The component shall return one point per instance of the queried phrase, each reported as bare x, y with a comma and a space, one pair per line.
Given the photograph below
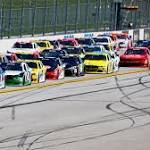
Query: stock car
93, 49
54, 53
55, 68
18, 73
104, 40
144, 43
56, 44
69, 43
24, 47
78, 51
85, 41
98, 62
38, 70
116, 59
73, 66
137, 56
24, 56
44, 45
2, 78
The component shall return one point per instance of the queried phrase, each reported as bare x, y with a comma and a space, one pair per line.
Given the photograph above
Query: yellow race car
44, 45
98, 62
38, 70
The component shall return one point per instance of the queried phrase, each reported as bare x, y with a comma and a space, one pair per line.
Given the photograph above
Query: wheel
30, 81
107, 70
23, 81
78, 74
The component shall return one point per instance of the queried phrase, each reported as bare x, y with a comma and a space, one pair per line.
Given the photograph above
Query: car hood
132, 57
12, 73
95, 62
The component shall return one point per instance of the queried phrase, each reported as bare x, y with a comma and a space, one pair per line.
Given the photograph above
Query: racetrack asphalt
98, 112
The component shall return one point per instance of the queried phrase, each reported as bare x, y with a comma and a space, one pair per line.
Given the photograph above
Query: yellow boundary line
72, 81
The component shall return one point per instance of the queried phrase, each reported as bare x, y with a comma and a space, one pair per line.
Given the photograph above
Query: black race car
73, 66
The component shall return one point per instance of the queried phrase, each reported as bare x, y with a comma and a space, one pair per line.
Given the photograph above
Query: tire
30, 82
38, 80
107, 70
23, 81
78, 74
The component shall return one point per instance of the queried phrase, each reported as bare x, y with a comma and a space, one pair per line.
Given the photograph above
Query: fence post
98, 14
33, 18
21, 21
55, 15
66, 15
1, 18
77, 14
10, 17
44, 16
86, 15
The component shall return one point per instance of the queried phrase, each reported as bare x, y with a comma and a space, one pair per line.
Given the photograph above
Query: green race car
18, 73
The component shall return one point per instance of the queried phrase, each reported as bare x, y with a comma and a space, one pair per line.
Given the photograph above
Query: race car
144, 43
24, 56
123, 41
55, 68
138, 56
24, 47
44, 45
18, 73
98, 62
85, 41
93, 49
104, 40
69, 43
38, 70
74, 66
54, 53
2, 78
76, 51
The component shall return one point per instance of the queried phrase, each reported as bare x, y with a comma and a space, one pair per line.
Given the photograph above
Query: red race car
55, 68
137, 56
69, 43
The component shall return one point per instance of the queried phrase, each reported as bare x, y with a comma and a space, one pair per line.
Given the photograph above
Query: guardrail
137, 34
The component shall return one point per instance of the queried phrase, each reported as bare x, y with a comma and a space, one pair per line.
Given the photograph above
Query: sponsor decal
68, 36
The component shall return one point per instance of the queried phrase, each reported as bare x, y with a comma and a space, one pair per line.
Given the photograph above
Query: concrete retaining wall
137, 34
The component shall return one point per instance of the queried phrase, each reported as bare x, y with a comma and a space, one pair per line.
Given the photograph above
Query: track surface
108, 113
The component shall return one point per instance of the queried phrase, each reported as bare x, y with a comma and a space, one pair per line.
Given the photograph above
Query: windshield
92, 49
135, 52
73, 50
15, 67
22, 45
41, 44
70, 60
95, 57
67, 43
32, 64
58, 53
101, 40
145, 44
85, 41
25, 56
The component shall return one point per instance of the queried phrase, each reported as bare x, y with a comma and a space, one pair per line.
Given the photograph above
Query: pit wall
137, 34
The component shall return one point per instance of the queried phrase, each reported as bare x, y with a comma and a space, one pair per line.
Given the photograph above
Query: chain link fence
31, 17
